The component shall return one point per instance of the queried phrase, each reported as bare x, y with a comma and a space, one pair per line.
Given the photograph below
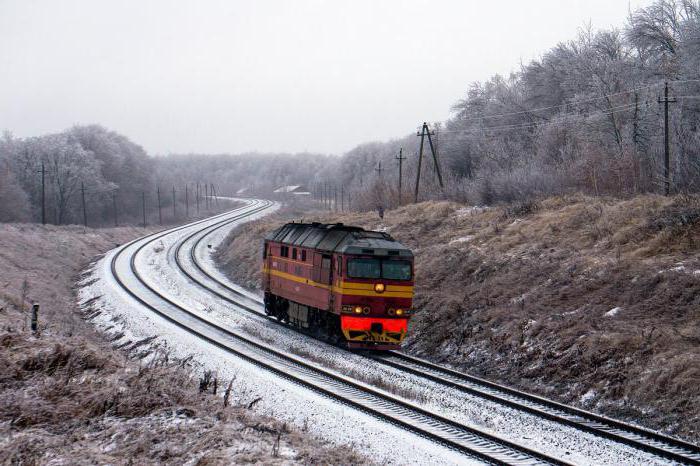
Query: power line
568, 104
532, 125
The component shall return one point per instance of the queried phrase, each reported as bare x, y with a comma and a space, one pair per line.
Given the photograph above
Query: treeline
587, 116
584, 117
55, 168
122, 183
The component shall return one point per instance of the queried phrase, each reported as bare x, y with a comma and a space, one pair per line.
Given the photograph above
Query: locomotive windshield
364, 268
375, 268
396, 270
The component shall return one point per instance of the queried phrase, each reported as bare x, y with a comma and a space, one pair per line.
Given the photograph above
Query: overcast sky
268, 75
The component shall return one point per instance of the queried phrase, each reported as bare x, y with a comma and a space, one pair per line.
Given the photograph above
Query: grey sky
232, 76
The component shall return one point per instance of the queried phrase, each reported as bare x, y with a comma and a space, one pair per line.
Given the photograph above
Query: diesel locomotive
345, 284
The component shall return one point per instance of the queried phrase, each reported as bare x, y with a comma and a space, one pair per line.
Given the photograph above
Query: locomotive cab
348, 284
376, 285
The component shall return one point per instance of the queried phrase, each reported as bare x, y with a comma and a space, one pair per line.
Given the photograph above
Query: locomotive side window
396, 270
303, 255
326, 269
284, 251
294, 253
364, 268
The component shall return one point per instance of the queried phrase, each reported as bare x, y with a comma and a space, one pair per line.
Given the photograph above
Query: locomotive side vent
394, 253
368, 251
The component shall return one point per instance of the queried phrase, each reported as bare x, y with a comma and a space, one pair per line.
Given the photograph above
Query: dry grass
521, 293
67, 396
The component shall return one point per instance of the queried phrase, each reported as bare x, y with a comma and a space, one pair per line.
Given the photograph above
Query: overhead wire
567, 104
540, 124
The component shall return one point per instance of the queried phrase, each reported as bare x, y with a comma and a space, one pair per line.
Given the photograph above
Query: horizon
227, 78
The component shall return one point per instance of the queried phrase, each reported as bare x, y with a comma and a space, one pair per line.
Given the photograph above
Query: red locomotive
349, 285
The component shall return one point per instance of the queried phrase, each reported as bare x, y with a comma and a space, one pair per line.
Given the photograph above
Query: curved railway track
643, 439
378, 404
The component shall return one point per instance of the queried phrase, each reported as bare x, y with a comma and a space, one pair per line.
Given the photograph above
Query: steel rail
444, 431
635, 436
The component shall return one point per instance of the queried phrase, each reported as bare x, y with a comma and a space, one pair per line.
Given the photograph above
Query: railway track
643, 439
379, 404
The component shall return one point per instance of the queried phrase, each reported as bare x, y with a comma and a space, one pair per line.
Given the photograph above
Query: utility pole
420, 161
82, 191
425, 131
114, 207
400, 158
435, 158
335, 198
43, 194
213, 193
206, 195
143, 207
667, 142
342, 199
160, 215
197, 197
174, 203
379, 170
187, 201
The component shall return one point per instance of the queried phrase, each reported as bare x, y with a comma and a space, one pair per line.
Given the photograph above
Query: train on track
348, 285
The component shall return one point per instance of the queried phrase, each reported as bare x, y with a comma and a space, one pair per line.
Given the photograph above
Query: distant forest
585, 117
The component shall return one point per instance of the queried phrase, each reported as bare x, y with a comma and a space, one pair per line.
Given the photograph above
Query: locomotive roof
336, 237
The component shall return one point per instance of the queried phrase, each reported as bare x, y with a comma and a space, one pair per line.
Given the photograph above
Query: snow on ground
463, 239
277, 397
613, 312
287, 401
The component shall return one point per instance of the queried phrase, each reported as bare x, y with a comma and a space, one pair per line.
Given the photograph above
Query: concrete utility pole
82, 190
187, 201
423, 132
214, 194
197, 197
43, 194
379, 169
114, 208
174, 216
143, 207
667, 142
160, 215
342, 199
420, 161
400, 158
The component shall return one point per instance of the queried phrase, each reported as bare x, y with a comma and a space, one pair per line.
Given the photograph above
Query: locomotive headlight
399, 312
358, 310
379, 287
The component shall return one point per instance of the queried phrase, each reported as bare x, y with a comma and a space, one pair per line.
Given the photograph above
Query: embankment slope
595, 302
